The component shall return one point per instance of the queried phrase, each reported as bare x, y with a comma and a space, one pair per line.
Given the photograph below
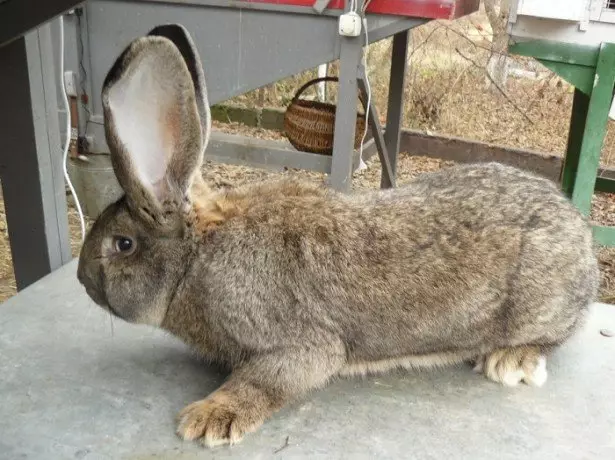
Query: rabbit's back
468, 258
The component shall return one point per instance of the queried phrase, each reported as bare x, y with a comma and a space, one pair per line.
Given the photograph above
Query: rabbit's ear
181, 38
157, 122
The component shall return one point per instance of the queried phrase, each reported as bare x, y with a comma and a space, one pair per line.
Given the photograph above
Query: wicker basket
310, 125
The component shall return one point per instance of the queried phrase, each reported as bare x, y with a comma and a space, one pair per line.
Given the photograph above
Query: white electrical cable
362, 164
365, 5
68, 131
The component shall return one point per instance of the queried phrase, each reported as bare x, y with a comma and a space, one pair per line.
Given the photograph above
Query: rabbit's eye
123, 244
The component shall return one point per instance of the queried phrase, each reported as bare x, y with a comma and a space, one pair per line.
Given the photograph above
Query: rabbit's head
157, 124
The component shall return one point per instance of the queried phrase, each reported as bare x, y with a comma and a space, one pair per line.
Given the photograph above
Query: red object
429, 9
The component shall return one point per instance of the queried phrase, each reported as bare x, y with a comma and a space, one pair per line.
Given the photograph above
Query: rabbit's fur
290, 284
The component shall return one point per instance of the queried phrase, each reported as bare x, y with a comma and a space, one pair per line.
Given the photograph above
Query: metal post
346, 114
595, 129
395, 111
30, 149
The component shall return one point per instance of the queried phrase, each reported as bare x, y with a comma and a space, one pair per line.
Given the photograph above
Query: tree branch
493, 17
502, 92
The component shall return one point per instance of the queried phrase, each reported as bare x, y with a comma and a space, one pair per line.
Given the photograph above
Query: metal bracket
373, 121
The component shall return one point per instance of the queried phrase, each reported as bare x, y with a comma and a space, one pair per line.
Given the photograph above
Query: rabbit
290, 284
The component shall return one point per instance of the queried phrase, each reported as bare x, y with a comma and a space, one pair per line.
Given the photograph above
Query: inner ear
148, 123
153, 126
182, 40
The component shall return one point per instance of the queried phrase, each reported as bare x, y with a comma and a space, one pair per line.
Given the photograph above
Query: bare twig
502, 92
474, 44
459, 76
286, 444
424, 42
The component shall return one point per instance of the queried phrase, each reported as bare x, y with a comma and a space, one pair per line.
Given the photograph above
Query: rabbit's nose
84, 275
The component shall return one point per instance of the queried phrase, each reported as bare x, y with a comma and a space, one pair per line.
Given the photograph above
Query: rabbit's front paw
222, 418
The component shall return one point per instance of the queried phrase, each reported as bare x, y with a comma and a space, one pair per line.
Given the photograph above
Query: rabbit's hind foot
510, 366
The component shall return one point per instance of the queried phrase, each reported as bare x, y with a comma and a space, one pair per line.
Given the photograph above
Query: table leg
594, 130
395, 111
580, 106
346, 114
373, 119
30, 149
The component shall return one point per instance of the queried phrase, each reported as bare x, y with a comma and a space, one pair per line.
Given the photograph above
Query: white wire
68, 131
362, 164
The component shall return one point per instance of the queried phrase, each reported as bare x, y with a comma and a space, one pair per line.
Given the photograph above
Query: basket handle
301, 90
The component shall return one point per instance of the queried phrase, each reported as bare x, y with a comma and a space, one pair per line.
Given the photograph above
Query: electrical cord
353, 6
68, 132
362, 164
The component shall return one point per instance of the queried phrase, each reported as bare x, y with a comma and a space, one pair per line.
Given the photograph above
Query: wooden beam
17, 17
31, 158
237, 149
373, 121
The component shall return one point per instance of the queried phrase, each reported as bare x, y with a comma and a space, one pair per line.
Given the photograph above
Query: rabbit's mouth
111, 310
100, 299
101, 302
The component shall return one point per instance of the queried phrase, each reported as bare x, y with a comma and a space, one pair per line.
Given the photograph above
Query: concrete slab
75, 385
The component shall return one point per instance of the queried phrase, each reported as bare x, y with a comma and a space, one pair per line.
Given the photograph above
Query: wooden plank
31, 158
236, 149
604, 184
342, 165
604, 236
595, 129
567, 53
581, 77
268, 154
580, 105
471, 151
395, 104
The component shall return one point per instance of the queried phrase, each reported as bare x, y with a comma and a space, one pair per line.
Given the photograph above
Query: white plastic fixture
350, 24
70, 83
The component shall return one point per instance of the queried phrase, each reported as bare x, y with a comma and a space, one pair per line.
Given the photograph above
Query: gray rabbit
290, 284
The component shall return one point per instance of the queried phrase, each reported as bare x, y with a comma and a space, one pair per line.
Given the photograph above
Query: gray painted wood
346, 113
395, 109
320, 5
235, 149
373, 118
241, 50
30, 148
18, 17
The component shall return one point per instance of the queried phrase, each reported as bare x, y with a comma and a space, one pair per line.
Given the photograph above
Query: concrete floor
74, 385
